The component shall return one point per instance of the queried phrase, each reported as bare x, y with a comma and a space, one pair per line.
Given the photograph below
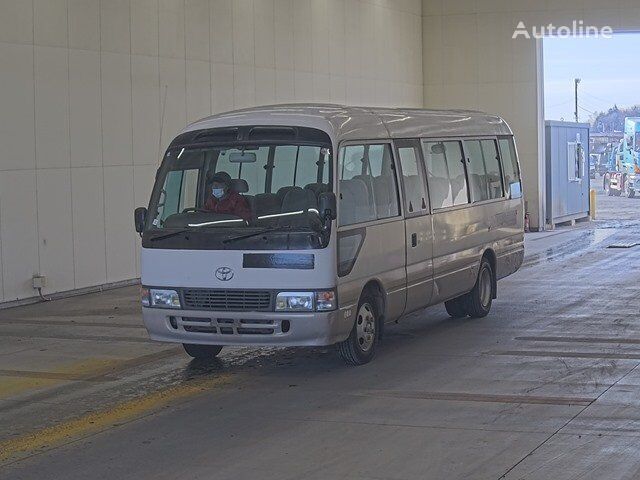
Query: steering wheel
194, 209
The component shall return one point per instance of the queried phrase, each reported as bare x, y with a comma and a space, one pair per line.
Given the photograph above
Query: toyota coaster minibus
306, 225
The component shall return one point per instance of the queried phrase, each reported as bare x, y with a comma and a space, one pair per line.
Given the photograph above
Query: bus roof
342, 122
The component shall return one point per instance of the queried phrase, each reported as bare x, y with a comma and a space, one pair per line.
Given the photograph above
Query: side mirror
140, 218
327, 205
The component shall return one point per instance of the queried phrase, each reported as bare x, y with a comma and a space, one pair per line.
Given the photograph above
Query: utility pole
577, 81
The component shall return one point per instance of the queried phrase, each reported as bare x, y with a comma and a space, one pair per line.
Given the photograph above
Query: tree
613, 119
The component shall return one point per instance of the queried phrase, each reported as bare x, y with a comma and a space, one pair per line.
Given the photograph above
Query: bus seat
317, 188
239, 185
300, 199
368, 182
282, 192
383, 196
476, 185
354, 202
439, 189
412, 187
266, 204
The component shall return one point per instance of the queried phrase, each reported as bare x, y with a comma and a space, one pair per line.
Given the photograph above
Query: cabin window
180, 191
510, 168
414, 187
296, 166
368, 186
492, 166
483, 170
476, 173
445, 174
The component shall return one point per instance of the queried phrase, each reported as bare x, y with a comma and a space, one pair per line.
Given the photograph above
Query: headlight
321, 301
294, 302
162, 298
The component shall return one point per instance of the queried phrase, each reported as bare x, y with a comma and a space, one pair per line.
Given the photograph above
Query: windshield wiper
254, 234
169, 235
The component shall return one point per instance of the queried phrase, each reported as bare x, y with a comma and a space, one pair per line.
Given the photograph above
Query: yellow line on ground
95, 422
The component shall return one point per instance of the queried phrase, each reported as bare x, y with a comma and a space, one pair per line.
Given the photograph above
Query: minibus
313, 224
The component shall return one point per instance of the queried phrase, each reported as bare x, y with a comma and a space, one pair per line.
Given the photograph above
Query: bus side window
445, 174
510, 168
368, 185
492, 165
476, 173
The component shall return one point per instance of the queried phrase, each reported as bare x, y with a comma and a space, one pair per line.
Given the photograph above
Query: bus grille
227, 300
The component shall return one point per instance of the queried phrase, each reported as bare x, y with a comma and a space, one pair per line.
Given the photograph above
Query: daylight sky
608, 68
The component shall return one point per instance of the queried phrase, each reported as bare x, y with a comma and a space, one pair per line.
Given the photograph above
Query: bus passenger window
368, 188
445, 174
476, 171
415, 195
492, 165
510, 168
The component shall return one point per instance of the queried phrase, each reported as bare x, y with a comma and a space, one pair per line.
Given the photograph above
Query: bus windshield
248, 187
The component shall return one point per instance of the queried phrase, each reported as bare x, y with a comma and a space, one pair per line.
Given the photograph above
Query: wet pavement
546, 386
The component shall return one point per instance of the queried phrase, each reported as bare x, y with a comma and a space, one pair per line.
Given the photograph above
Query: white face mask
218, 192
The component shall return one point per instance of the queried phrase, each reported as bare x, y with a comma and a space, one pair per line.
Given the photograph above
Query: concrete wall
471, 61
82, 89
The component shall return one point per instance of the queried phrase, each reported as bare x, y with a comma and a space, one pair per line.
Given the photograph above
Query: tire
457, 307
202, 352
631, 193
480, 298
360, 347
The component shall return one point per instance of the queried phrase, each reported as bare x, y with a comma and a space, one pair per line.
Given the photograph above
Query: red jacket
233, 203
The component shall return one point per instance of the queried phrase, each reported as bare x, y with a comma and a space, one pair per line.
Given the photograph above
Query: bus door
418, 226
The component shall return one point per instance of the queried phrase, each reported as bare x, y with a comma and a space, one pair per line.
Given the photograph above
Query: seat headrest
239, 185
282, 191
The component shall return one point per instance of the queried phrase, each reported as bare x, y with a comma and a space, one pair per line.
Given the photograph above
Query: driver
225, 200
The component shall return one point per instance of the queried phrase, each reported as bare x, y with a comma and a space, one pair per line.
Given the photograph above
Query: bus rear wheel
481, 297
360, 347
202, 352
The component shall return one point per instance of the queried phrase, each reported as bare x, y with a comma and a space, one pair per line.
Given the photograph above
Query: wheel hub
366, 327
485, 287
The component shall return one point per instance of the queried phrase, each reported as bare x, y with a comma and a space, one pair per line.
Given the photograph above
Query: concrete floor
547, 386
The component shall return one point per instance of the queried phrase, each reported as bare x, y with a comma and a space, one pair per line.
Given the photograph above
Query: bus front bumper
246, 328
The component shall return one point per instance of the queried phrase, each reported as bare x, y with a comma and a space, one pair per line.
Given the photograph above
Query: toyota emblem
224, 274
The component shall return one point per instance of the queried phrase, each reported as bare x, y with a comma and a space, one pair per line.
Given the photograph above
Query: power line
559, 104
588, 111
608, 102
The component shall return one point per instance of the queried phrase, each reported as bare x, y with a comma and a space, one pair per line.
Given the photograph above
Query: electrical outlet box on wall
39, 281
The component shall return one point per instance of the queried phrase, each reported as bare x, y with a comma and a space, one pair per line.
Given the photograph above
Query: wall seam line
133, 163
73, 248
104, 190
35, 133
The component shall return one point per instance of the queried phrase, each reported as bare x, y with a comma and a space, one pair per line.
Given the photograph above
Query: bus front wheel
360, 347
202, 352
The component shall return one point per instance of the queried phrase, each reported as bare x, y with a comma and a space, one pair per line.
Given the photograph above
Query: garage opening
592, 127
